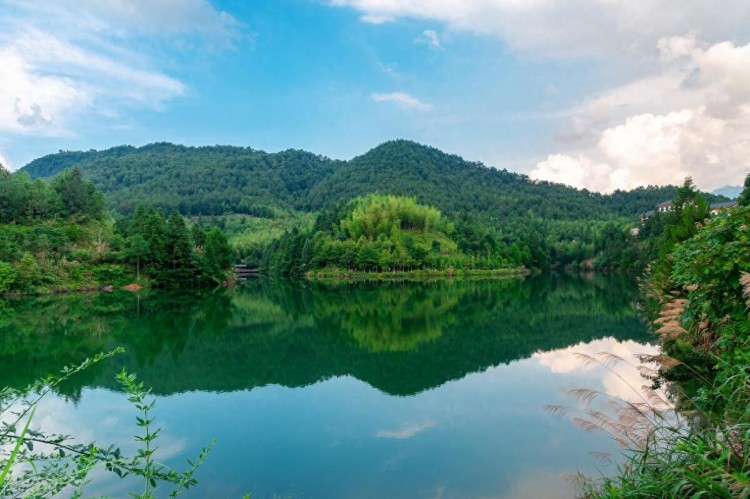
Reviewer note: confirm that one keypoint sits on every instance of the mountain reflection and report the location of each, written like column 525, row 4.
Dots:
column 400, row 338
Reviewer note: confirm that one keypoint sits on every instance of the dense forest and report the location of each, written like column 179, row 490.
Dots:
column 222, row 179
column 384, row 233
column 58, row 236
column 258, row 197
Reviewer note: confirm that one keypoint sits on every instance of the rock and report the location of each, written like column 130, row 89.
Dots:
column 133, row 287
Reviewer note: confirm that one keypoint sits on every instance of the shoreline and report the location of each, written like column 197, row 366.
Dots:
column 109, row 288
column 337, row 275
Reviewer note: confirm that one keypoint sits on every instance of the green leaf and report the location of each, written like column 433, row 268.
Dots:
column 13, row 454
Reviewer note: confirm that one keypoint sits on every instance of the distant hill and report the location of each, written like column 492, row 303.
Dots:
column 215, row 180
column 729, row 191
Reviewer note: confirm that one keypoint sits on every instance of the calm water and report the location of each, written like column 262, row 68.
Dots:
column 420, row 390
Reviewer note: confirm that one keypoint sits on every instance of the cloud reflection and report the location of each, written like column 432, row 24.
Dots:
column 623, row 382
column 407, row 431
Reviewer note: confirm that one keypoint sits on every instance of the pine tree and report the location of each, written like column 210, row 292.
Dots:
column 217, row 253
column 154, row 231
column 179, row 248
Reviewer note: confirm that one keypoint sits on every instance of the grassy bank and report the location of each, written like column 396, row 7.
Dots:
column 336, row 274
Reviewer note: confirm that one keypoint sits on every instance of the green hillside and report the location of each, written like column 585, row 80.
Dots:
column 194, row 180
column 256, row 197
column 223, row 179
column 382, row 233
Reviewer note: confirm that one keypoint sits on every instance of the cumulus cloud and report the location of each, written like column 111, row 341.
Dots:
column 690, row 118
column 403, row 100
column 430, row 38
column 578, row 171
column 65, row 61
column 574, row 27
column 4, row 163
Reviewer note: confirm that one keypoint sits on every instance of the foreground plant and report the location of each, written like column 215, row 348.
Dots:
column 691, row 453
column 35, row 463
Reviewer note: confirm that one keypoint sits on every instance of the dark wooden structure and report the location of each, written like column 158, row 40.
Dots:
column 243, row 271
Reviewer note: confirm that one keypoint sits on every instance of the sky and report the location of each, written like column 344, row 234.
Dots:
column 597, row 94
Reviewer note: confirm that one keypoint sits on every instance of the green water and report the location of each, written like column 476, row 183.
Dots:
column 402, row 390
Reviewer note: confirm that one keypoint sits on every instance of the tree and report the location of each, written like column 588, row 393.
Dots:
column 136, row 249
column 77, row 196
column 199, row 236
column 307, row 254
column 367, row 257
column 744, row 199
column 179, row 249
column 686, row 194
column 154, row 231
column 217, row 252
column 7, row 277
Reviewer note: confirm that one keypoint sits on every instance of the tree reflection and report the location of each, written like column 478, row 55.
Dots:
column 399, row 338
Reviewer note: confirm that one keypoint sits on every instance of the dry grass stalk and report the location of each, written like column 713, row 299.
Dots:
column 662, row 360
column 671, row 328
column 671, row 308
column 745, row 281
column 631, row 424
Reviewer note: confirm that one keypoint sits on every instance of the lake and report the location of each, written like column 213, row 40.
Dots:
column 421, row 390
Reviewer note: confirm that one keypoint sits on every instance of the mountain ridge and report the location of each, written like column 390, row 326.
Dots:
column 214, row 180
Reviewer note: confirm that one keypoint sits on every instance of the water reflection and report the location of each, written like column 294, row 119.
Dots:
column 400, row 339
column 283, row 375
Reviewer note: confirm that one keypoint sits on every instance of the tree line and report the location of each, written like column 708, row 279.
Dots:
column 57, row 236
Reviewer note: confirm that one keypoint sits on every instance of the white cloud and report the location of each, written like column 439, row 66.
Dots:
column 573, row 27
column 692, row 117
column 4, row 163
column 578, row 171
column 430, row 38
column 153, row 17
column 66, row 63
column 402, row 100
column 391, row 69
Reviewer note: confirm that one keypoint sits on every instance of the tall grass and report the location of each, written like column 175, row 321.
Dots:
column 701, row 450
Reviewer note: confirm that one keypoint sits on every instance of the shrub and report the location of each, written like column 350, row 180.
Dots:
column 8, row 276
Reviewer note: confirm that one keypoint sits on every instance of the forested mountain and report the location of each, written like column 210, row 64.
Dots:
column 459, row 187
column 223, row 179
column 194, row 180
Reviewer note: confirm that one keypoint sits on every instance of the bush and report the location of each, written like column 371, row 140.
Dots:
column 710, row 265
column 7, row 277
column 110, row 274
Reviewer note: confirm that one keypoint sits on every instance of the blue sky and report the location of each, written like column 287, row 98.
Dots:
column 595, row 94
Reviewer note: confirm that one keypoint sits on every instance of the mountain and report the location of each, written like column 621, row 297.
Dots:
column 194, row 180
column 730, row 191
column 224, row 179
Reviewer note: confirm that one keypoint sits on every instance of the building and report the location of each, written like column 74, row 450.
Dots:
column 666, row 206
column 718, row 207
